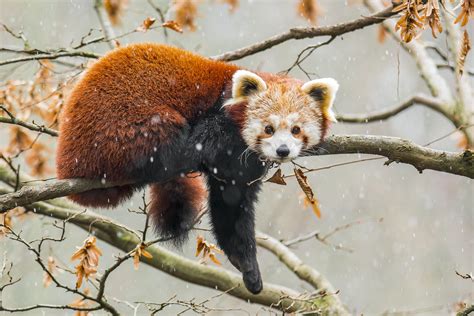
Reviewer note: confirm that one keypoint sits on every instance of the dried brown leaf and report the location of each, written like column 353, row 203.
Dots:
column 310, row 198
column 467, row 10
column 200, row 245
column 214, row 259
column 6, row 221
column 309, row 10
column 277, row 178
column 186, row 12
column 138, row 253
column 208, row 250
column 464, row 50
column 146, row 24
column 115, row 10
column 173, row 25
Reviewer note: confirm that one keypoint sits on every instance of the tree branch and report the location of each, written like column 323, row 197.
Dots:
column 467, row 311
column 395, row 149
column 306, row 273
column 50, row 56
column 307, row 32
column 427, row 101
column 400, row 150
column 185, row 269
column 54, row 189
column 31, row 126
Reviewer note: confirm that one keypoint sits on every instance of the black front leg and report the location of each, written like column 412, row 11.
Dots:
column 232, row 215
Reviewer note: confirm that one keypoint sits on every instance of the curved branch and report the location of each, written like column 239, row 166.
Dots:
column 105, row 229
column 303, row 271
column 307, row 32
column 51, row 190
column 395, row 149
column 427, row 101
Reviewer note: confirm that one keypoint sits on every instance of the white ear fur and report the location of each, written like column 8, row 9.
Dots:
column 245, row 83
column 324, row 92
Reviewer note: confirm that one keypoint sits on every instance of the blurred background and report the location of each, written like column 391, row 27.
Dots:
column 406, row 262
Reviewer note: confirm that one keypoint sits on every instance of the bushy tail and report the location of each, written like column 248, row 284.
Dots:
column 175, row 205
column 109, row 197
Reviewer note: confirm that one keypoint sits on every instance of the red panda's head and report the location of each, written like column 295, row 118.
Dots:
column 282, row 116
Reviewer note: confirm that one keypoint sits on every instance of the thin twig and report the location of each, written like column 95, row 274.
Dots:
column 307, row 32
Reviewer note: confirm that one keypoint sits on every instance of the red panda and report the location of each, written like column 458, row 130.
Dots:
column 159, row 115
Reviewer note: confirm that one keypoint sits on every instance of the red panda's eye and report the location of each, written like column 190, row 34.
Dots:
column 269, row 130
column 295, row 130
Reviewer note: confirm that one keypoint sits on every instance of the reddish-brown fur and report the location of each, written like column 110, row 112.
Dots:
column 187, row 193
column 107, row 121
column 131, row 102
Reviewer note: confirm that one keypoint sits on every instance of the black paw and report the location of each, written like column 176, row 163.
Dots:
column 253, row 281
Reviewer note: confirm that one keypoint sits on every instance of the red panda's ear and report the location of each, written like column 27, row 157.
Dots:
column 246, row 83
column 324, row 92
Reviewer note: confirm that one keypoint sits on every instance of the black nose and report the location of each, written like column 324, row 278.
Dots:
column 283, row 151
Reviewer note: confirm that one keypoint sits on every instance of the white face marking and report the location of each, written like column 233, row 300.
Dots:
column 282, row 137
column 269, row 145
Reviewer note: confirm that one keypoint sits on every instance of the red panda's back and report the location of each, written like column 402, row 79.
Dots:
column 126, row 102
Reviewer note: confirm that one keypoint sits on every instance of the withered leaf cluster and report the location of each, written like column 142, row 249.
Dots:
column 208, row 250
column 37, row 100
column 7, row 218
column 417, row 15
column 467, row 11
column 140, row 251
column 88, row 256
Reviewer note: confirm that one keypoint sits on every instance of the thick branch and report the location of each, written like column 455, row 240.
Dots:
column 400, row 150
column 395, row 149
column 185, row 269
column 306, row 32
column 50, row 190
